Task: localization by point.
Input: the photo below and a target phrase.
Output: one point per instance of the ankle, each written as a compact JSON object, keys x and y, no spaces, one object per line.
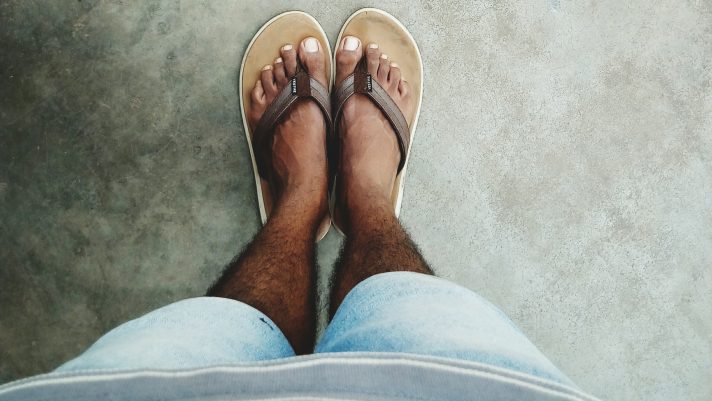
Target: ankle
{"x":302,"y":187}
{"x":306,"y":201}
{"x":359,"y":193}
{"x":366,"y":211}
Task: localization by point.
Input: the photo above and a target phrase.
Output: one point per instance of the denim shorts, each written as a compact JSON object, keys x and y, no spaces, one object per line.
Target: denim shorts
{"x":398,"y":312}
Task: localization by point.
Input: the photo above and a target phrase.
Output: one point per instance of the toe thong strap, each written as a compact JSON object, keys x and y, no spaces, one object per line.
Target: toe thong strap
{"x":300,"y":86}
{"x":360,"y":81}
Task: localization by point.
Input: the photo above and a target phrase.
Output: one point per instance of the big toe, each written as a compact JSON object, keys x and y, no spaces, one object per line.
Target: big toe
{"x":311,"y":55}
{"x":348,"y":55}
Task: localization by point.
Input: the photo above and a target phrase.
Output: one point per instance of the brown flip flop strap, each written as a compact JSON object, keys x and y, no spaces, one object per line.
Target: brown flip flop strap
{"x":360,"y":81}
{"x":300,"y":86}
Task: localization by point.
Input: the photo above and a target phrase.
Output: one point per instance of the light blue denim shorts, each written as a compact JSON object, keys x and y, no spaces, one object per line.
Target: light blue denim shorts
{"x":397,"y":312}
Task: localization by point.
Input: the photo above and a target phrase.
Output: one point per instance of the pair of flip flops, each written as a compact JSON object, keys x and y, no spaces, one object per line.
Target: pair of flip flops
{"x":371,"y":26}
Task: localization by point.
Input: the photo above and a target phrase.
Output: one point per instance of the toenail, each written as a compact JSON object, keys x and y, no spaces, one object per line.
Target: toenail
{"x":278,"y":60}
{"x":384,"y":56}
{"x":286,"y":48}
{"x":351,"y":43}
{"x":311,"y":45}
{"x":394,"y":65}
{"x":373,"y":46}
{"x":267,"y":67}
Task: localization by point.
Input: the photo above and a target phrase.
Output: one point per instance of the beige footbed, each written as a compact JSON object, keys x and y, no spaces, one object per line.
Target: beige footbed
{"x":290,"y":27}
{"x":372,"y":25}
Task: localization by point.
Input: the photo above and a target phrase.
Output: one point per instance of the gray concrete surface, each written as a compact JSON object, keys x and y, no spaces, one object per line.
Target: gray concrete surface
{"x":562,"y":168}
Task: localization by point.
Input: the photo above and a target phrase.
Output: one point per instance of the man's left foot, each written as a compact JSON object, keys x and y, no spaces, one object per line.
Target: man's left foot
{"x":299,"y":165}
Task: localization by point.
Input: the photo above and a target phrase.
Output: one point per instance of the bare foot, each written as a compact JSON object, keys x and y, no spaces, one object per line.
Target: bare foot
{"x":299,"y":166}
{"x":369,"y":148}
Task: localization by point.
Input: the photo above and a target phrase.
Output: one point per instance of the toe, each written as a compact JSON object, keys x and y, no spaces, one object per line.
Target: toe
{"x":258,"y":94}
{"x":394,"y":76}
{"x":403,"y":88}
{"x":311,"y":55}
{"x":289,"y":57}
{"x":267,"y":78}
{"x":258,"y":104}
{"x":280,"y":75}
{"x":373,"y":55}
{"x":384,"y":68}
{"x":348,"y":55}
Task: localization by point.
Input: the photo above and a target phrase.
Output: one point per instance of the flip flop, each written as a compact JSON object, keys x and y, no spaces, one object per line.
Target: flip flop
{"x":372,"y":25}
{"x":290,"y":27}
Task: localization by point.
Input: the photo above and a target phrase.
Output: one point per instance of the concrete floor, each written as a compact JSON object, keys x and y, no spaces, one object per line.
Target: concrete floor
{"x":562,"y":168}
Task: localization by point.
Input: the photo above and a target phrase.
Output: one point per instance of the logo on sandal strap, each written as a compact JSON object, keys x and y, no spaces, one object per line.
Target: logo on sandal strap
{"x":369,"y":83}
{"x":293,"y":83}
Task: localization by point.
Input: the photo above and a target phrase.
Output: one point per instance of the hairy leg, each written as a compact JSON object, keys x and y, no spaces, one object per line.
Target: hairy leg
{"x":276,"y":272}
{"x":376,"y":242}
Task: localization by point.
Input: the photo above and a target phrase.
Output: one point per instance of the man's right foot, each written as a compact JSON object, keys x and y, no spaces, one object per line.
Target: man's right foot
{"x":369,"y":148}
